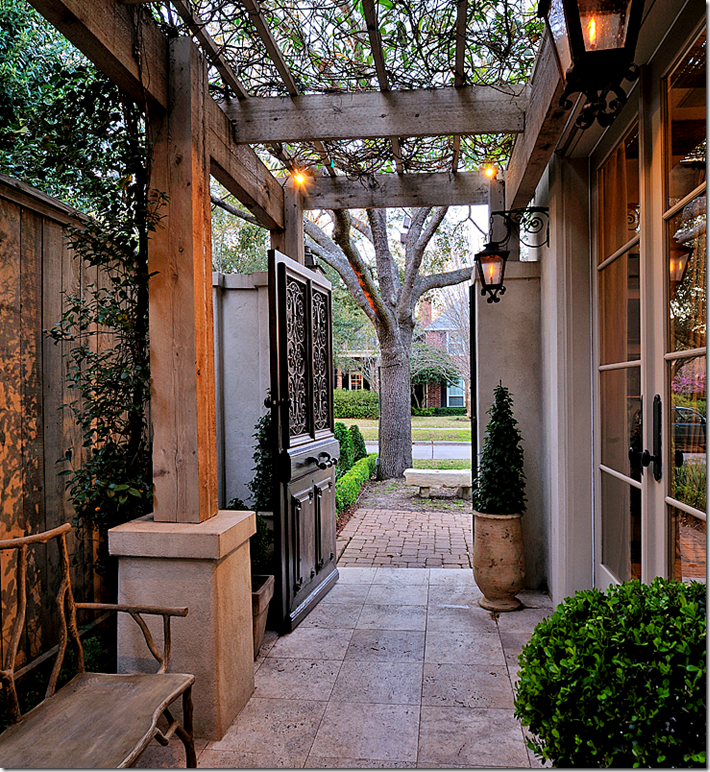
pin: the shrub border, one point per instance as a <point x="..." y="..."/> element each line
<point x="348" y="487"/>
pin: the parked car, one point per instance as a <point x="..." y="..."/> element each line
<point x="689" y="430"/>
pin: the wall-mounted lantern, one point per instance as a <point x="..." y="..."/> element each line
<point x="491" y="270"/>
<point x="594" y="42"/>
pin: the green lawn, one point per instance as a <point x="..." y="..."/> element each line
<point x="424" y="429"/>
<point x="441" y="463"/>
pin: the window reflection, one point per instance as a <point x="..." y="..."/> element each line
<point x="687" y="141"/>
<point x="621" y="528"/>
<point x="620" y="414"/>
<point x="689" y="543"/>
<point x="620" y="311"/>
<point x="687" y="266"/>
<point x="688" y="436"/>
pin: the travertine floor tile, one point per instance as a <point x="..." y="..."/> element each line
<point x="323" y="762"/>
<point x="313" y="643"/>
<point x="296" y="679"/>
<point x="333" y="615"/>
<point x="471" y="737"/>
<point x="463" y="648"/>
<point x="379" y="682"/>
<point x="523" y="620"/>
<point x="386" y="645"/>
<point x="399" y="576"/>
<point x="380" y="617"/>
<point x="398" y="595"/>
<point x="461" y="617"/>
<point x="359" y="731"/>
<point x="356" y="574"/>
<point x="264" y="759"/>
<point x="347" y="593"/>
<point x="169" y="756"/>
<point x="284" y="728"/>
<point x="467" y="686"/>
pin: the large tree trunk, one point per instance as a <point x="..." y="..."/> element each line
<point x="395" y="409"/>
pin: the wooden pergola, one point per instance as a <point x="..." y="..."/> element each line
<point x="193" y="136"/>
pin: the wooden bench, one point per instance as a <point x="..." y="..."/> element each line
<point x="102" y="720"/>
<point x="425" y="479"/>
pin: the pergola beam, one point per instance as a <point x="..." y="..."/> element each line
<point x="384" y="190"/>
<point x="104" y="31"/>
<point x="373" y="31"/>
<point x="459" y="76"/>
<point x="545" y="121"/>
<point x="373" y="114"/>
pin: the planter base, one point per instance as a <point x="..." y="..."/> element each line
<point x="262" y="590"/>
<point x="499" y="605"/>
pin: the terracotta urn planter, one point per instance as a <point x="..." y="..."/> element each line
<point x="498" y="560"/>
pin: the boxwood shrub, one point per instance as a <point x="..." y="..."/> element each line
<point x="356" y="404"/>
<point x="358" y="443"/>
<point x="348" y="487"/>
<point x="343" y="436"/>
<point x="618" y="678"/>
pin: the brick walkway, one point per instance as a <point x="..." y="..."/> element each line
<point x="405" y="539"/>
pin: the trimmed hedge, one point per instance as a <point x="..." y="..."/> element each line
<point x="618" y="678"/>
<point x="449" y="411"/>
<point x="348" y="487"/>
<point x="356" y="404"/>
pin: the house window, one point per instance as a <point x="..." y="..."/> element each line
<point x="455" y="394"/>
<point x="355" y="381"/>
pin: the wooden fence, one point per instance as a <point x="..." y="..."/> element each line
<point x="36" y="268"/>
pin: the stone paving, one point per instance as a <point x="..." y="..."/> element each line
<point x="406" y="539"/>
<point x="396" y="668"/>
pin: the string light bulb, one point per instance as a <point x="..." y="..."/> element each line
<point x="491" y="172"/>
<point x="299" y="177"/>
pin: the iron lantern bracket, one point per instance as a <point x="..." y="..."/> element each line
<point x="527" y="222"/>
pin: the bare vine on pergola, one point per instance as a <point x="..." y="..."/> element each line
<point x="290" y="47"/>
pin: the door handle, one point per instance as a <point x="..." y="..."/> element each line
<point x="656" y="458"/>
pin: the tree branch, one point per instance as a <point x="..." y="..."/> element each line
<point x="325" y="248"/>
<point x="217" y="201"/>
<point x="386" y="268"/>
<point x="341" y="236"/>
<point x="437" y="280"/>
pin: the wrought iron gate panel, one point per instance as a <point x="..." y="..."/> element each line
<point x="302" y="405"/>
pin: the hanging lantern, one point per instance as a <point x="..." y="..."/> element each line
<point x="594" y="43"/>
<point x="678" y="263"/>
<point x="491" y="270"/>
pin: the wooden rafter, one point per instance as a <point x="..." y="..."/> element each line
<point x="373" y="31"/>
<point x="384" y="190"/>
<point x="372" y="114"/>
<point x="459" y="75"/>
<point x="198" y="28"/>
<point x="276" y="56"/>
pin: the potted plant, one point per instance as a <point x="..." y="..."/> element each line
<point x="499" y="502"/>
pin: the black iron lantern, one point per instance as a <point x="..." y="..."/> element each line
<point x="594" y="41"/>
<point x="491" y="270"/>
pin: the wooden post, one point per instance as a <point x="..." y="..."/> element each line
<point x="181" y="333"/>
<point x="290" y="241"/>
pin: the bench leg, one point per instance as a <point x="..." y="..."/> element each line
<point x="424" y="492"/>
<point x="465" y="492"/>
<point x="185" y="732"/>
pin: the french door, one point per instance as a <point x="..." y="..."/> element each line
<point x="651" y="287"/>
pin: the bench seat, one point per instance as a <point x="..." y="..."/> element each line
<point x="425" y="479"/>
<point x="97" y="720"/>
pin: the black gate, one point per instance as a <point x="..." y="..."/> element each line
<point x="302" y="408"/>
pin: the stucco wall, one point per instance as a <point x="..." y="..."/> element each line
<point x="241" y="318"/>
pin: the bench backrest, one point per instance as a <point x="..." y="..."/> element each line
<point x="67" y="615"/>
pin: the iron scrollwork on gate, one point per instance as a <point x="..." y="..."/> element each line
<point x="296" y="357"/>
<point x="321" y="359"/>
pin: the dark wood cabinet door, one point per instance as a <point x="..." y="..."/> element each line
<point x="302" y="405"/>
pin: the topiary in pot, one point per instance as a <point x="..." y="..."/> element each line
<point x="499" y="501"/>
<point x="618" y="678"/>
